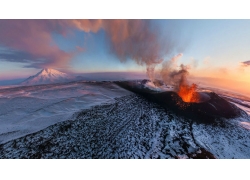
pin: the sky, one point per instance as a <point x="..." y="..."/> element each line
<point x="211" y="48"/>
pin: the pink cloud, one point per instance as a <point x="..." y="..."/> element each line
<point x="34" y="37"/>
<point x="129" y="39"/>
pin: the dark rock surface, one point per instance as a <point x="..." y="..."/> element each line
<point x="132" y="127"/>
<point x="208" y="111"/>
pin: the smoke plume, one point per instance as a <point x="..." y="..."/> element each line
<point x="138" y="40"/>
<point x="177" y="76"/>
<point x="169" y="72"/>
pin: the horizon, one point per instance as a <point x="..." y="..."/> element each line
<point x="209" y="48"/>
<point x="240" y="87"/>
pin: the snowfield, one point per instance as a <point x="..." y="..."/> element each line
<point x="102" y="120"/>
<point x="27" y="109"/>
<point x="129" y="128"/>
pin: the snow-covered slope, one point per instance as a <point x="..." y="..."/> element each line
<point x="47" y="76"/>
<point x="102" y="120"/>
<point x="126" y="127"/>
<point x="28" y="109"/>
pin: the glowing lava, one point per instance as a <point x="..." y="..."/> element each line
<point x="188" y="93"/>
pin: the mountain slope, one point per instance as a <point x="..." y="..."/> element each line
<point x="47" y="76"/>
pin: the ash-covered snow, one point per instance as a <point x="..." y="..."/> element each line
<point x="245" y="125"/>
<point x="230" y="139"/>
<point x="131" y="127"/>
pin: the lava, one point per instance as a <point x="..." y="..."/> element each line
<point x="188" y="93"/>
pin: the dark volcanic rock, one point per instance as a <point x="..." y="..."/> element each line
<point x="208" y="111"/>
<point x="144" y="81"/>
<point x="130" y="128"/>
<point x="216" y="107"/>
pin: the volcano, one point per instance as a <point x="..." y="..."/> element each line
<point x="209" y="107"/>
<point x="47" y="76"/>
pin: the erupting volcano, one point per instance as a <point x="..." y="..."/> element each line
<point x="188" y="93"/>
<point x="187" y="101"/>
<point x="178" y="78"/>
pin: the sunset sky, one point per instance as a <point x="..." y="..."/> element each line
<point x="212" y="48"/>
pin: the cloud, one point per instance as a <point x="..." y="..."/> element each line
<point x="134" y="39"/>
<point x="128" y="39"/>
<point x="32" y="39"/>
<point x="245" y="63"/>
<point x="15" y="56"/>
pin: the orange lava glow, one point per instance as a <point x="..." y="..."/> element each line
<point x="188" y="93"/>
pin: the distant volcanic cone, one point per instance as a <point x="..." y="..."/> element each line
<point x="47" y="76"/>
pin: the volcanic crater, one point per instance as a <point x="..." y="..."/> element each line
<point x="207" y="107"/>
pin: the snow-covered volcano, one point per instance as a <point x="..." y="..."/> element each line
<point x="47" y="76"/>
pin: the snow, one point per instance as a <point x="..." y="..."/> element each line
<point x="131" y="127"/>
<point x="228" y="140"/>
<point x="28" y="109"/>
<point x="102" y="120"/>
<point x="162" y="88"/>
<point x="213" y="106"/>
<point x="245" y="125"/>
<point x="231" y="138"/>
<point x="47" y="76"/>
<point x="246" y="109"/>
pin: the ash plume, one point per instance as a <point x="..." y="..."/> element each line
<point x="179" y="77"/>
<point x="169" y="72"/>
<point x="138" y="40"/>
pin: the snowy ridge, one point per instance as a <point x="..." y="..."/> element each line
<point x="47" y="76"/>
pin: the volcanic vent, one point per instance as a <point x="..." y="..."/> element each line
<point x="189" y="93"/>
